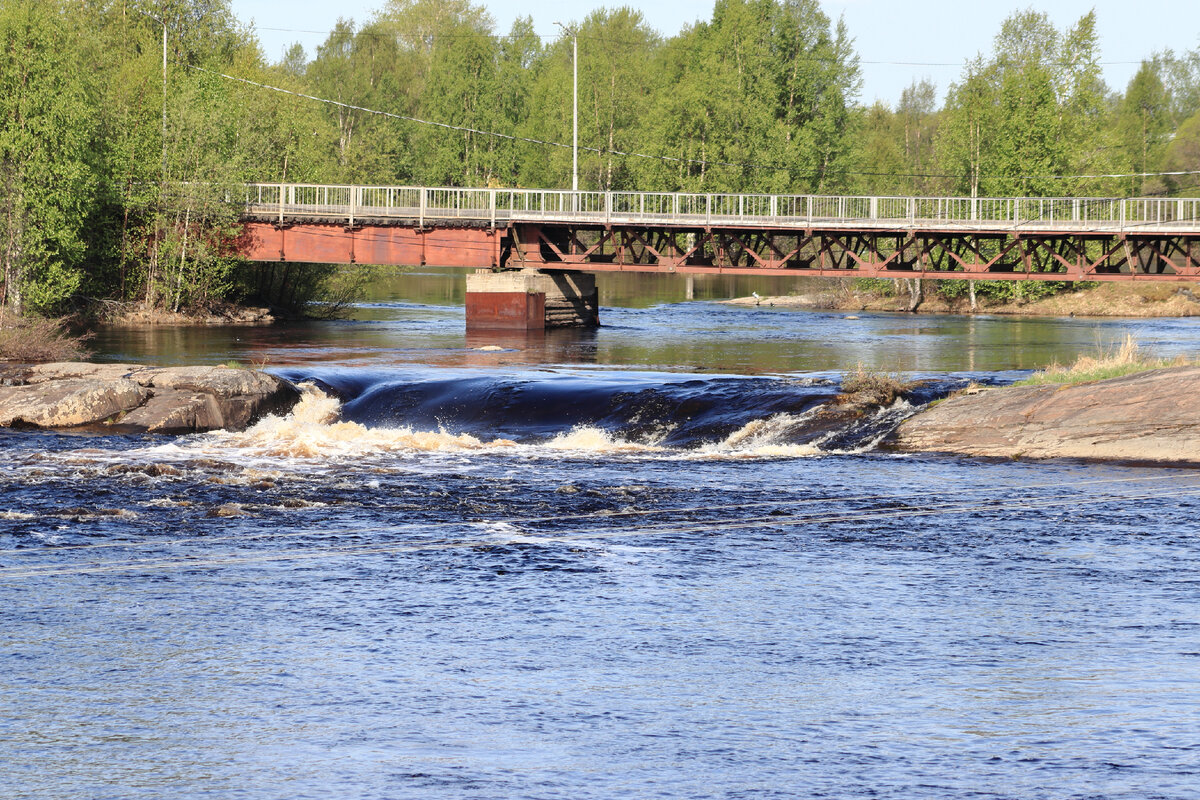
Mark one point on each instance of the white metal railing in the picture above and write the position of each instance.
(502, 206)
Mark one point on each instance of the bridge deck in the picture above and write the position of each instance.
(501, 207)
(1069, 238)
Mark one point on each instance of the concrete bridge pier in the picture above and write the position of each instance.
(531, 299)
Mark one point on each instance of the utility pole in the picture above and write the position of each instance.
(574, 34)
(162, 189)
(164, 92)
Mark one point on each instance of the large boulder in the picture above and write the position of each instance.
(132, 398)
(1148, 416)
(207, 398)
(69, 403)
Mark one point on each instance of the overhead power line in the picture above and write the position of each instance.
(467, 129)
(672, 159)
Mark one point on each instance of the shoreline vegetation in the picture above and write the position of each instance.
(1108, 299)
(1116, 362)
(30, 339)
(121, 176)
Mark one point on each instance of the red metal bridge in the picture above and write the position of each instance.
(1072, 238)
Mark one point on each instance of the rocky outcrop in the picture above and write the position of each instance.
(133, 398)
(1148, 416)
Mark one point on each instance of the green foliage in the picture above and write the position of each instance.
(1032, 111)
(47, 180)
(952, 289)
(1183, 156)
(103, 198)
(884, 287)
(303, 290)
(1019, 292)
(1144, 124)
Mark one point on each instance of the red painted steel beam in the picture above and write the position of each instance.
(820, 251)
(393, 245)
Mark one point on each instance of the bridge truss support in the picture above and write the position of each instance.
(841, 252)
(531, 300)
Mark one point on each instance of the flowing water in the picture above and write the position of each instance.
(626, 563)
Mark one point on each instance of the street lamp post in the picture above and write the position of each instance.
(573, 33)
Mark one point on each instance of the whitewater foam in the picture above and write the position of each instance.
(763, 438)
(313, 431)
(590, 439)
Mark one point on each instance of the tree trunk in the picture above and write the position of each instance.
(916, 294)
(187, 220)
(971, 292)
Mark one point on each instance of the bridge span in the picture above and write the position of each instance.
(558, 232)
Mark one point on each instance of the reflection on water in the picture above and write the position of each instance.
(417, 318)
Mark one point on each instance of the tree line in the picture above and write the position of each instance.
(115, 173)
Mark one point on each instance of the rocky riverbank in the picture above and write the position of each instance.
(1147, 416)
(129, 398)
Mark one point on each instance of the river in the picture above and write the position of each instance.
(594, 565)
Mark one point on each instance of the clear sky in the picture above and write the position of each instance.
(897, 40)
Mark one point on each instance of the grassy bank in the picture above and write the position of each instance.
(1124, 359)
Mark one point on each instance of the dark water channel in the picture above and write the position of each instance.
(601, 565)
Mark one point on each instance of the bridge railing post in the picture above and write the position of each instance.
(421, 211)
(282, 188)
(353, 192)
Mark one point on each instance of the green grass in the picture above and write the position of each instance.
(1127, 359)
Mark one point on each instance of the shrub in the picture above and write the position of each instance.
(38, 339)
(869, 387)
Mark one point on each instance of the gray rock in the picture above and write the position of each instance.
(1148, 416)
(68, 403)
(66, 370)
(133, 398)
(175, 412)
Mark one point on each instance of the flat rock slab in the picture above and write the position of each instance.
(69, 403)
(135, 398)
(1148, 416)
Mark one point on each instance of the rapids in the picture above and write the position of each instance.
(505, 574)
